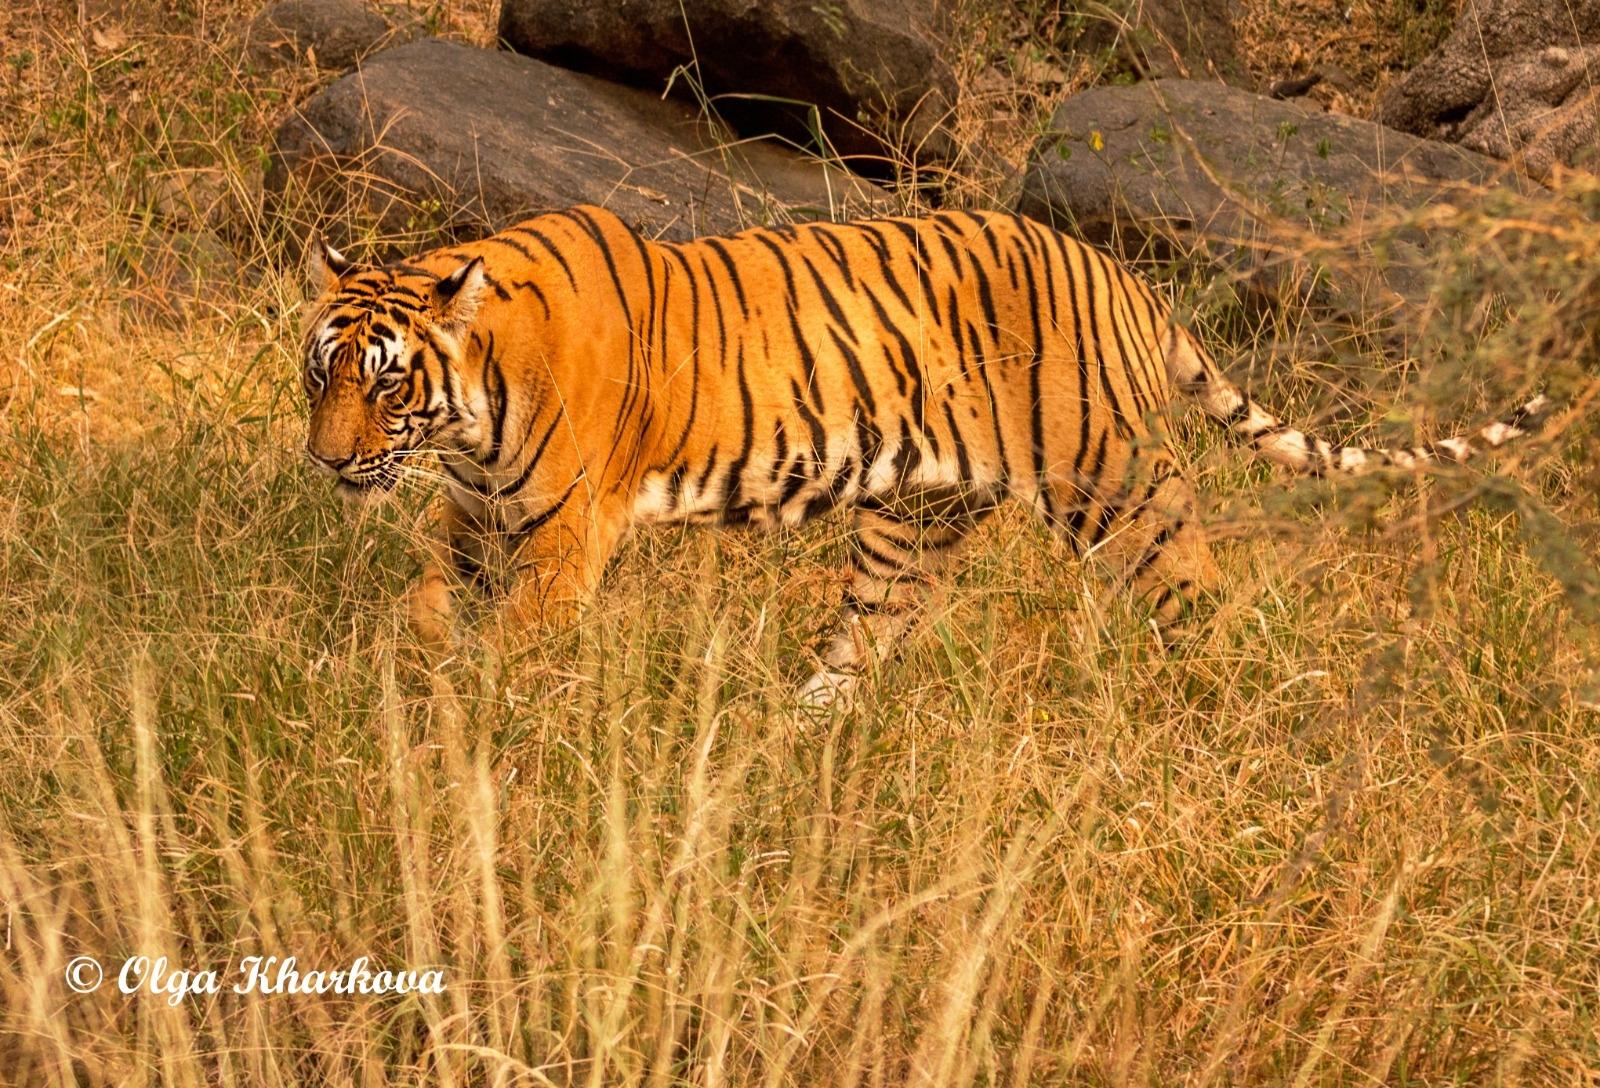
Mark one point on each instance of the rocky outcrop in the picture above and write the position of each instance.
(870, 67)
(1516, 79)
(445, 136)
(332, 34)
(1267, 187)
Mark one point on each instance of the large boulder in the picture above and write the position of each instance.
(437, 135)
(1271, 189)
(1514, 79)
(332, 34)
(870, 67)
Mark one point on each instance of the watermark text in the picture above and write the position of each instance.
(253, 974)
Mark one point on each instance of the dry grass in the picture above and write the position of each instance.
(1348, 834)
(1369, 42)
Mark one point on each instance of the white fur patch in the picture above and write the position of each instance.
(1497, 433)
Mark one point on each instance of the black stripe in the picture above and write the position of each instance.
(1113, 338)
(858, 376)
(854, 602)
(924, 278)
(956, 334)
(1041, 236)
(513, 244)
(999, 431)
(1142, 350)
(634, 387)
(834, 309)
(1036, 396)
(550, 248)
(694, 408)
(735, 484)
(869, 442)
(476, 486)
(963, 462)
(880, 246)
(721, 251)
(527, 469)
(494, 388)
(705, 473)
(807, 359)
(1153, 553)
(532, 524)
(1080, 513)
(828, 240)
(782, 254)
(538, 293)
(907, 369)
(710, 283)
(494, 285)
(819, 434)
(986, 300)
(895, 566)
(909, 455)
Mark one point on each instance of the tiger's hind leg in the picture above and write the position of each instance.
(1147, 534)
(900, 546)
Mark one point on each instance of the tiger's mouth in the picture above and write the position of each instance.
(370, 483)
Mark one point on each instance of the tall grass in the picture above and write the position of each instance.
(1349, 832)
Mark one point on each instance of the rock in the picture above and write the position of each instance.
(191, 198)
(1512, 79)
(1269, 188)
(1298, 87)
(179, 275)
(334, 34)
(441, 135)
(1170, 38)
(869, 66)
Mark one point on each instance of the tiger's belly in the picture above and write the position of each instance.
(772, 491)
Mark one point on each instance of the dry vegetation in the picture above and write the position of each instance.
(1349, 833)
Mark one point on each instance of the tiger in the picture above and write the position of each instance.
(576, 380)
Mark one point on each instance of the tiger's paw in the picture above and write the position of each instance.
(430, 613)
(827, 690)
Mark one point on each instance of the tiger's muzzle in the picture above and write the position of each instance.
(359, 476)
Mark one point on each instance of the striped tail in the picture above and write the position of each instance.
(1194, 373)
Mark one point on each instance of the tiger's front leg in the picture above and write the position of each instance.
(455, 553)
(554, 562)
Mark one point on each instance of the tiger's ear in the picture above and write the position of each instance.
(324, 266)
(456, 297)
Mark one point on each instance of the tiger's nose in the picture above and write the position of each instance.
(333, 464)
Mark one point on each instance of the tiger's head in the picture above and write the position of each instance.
(378, 347)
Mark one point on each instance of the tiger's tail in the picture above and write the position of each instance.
(1198, 376)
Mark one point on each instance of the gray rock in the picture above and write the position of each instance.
(333, 33)
(1269, 188)
(1514, 79)
(437, 135)
(191, 199)
(175, 277)
(869, 66)
(1170, 38)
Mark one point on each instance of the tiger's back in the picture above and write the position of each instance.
(828, 362)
